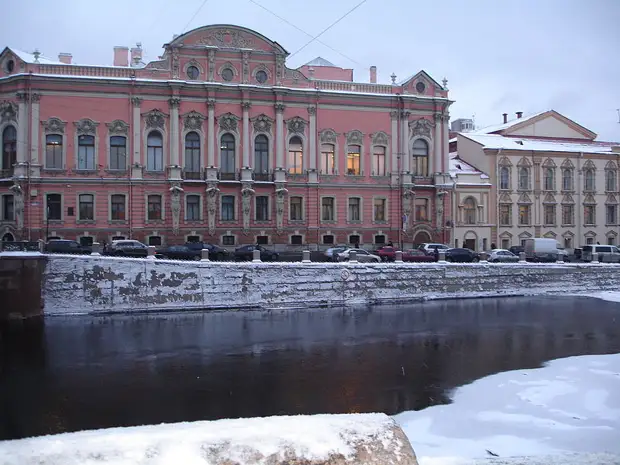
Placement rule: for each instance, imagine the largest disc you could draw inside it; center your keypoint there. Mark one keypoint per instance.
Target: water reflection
(81, 373)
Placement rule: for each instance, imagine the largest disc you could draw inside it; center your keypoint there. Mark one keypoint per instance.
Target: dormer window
(228, 74)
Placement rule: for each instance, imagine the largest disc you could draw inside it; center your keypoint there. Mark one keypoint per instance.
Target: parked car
(215, 252)
(416, 255)
(246, 253)
(387, 253)
(461, 255)
(429, 247)
(362, 256)
(503, 256)
(179, 252)
(516, 249)
(332, 252)
(67, 246)
(127, 248)
(606, 253)
(540, 249)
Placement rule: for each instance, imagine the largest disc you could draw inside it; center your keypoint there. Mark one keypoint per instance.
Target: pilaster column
(438, 143)
(406, 156)
(136, 171)
(174, 130)
(312, 138)
(446, 143)
(34, 130)
(245, 138)
(211, 133)
(394, 154)
(22, 131)
(279, 107)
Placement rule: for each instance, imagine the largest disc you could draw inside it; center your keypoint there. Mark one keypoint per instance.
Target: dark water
(74, 373)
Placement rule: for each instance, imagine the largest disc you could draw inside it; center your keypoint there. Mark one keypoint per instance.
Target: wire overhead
(195, 14)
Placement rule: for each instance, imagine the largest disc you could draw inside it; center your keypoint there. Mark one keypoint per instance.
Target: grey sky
(499, 56)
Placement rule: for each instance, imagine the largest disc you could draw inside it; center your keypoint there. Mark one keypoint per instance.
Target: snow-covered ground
(570, 405)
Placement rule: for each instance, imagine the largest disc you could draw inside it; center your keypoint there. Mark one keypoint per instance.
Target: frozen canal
(81, 372)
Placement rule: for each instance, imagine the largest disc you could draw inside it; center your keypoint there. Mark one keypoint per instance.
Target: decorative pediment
(118, 127)
(568, 199)
(524, 162)
(589, 200)
(155, 119)
(611, 165)
(590, 234)
(611, 233)
(296, 125)
(86, 126)
(588, 165)
(192, 121)
(549, 198)
(568, 234)
(355, 137)
(328, 136)
(549, 163)
(524, 198)
(421, 127)
(8, 111)
(504, 161)
(567, 164)
(262, 123)
(505, 235)
(611, 198)
(550, 235)
(525, 235)
(228, 122)
(54, 125)
(380, 138)
(226, 38)
(505, 198)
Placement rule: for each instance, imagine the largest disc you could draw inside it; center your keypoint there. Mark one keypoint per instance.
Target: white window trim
(429, 205)
(235, 212)
(362, 147)
(335, 220)
(304, 153)
(200, 208)
(501, 168)
(510, 215)
(202, 160)
(290, 239)
(361, 207)
(387, 209)
(62, 206)
(3, 126)
(146, 207)
(270, 157)
(303, 208)
(238, 154)
(268, 209)
(77, 151)
(145, 147)
(555, 214)
(385, 160)
(77, 207)
(431, 151)
(553, 178)
(63, 151)
(124, 194)
(109, 148)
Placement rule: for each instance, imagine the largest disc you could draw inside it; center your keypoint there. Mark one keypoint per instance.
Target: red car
(415, 255)
(387, 253)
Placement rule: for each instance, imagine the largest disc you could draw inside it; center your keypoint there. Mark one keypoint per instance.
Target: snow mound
(610, 296)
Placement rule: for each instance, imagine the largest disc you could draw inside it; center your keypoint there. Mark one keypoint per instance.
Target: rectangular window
(549, 214)
(568, 214)
(505, 243)
(228, 208)
(53, 151)
(611, 241)
(117, 205)
(328, 239)
(86, 241)
(192, 208)
(86, 208)
(228, 240)
(505, 214)
(524, 215)
(154, 207)
(379, 239)
(568, 243)
(328, 159)
(612, 211)
(262, 240)
(589, 214)
(327, 209)
(54, 207)
(378, 161)
(262, 208)
(8, 209)
(155, 240)
(118, 153)
(295, 156)
(354, 209)
(549, 179)
(421, 210)
(567, 180)
(296, 209)
(297, 239)
(379, 210)
(353, 160)
(86, 152)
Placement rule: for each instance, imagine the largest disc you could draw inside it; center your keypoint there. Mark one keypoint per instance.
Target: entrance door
(469, 244)
(8, 237)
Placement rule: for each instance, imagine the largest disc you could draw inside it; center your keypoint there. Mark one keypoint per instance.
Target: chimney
(121, 56)
(519, 114)
(373, 74)
(136, 54)
(65, 58)
(505, 115)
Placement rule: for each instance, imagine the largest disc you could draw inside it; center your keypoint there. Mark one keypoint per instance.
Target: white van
(541, 250)
(606, 253)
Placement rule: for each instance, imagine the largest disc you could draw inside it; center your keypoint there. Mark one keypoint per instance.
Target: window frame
(508, 214)
(376, 166)
(614, 208)
(568, 175)
(415, 159)
(568, 210)
(189, 195)
(152, 149)
(63, 148)
(589, 212)
(111, 209)
(3, 206)
(301, 208)
(61, 204)
(234, 208)
(589, 177)
(192, 152)
(229, 152)
(385, 210)
(334, 215)
(324, 155)
(611, 175)
(267, 210)
(353, 154)
(470, 212)
(79, 207)
(427, 209)
(10, 154)
(504, 185)
(293, 155)
(529, 214)
(549, 179)
(547, 208)
(147, 203)
(90, 155)
(262, 156)
(360, 209)
(524, 173)
(111, 147)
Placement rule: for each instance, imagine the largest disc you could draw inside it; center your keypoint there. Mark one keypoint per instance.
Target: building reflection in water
(78, 373)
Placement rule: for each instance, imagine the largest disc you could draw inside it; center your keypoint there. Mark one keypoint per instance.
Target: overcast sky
(498, 56)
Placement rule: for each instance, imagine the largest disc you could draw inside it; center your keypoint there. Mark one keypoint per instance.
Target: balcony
(265, 176)
(193, 175)
(226, 176)
(6, 173)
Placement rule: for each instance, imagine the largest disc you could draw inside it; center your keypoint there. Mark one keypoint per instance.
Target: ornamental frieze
(8, 111)
(262, 123)
(421, 127)
(226, 38)
(192, 121)
(155, 119)
(86, 126)
(228, 122)
(118, 127)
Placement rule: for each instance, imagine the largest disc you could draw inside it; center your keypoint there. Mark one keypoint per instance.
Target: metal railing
(19, 246)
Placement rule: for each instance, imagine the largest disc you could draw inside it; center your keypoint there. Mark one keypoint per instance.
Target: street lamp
(47, 227)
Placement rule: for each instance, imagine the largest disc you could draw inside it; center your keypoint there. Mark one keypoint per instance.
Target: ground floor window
(86, 241)
(589, 240)
(193, 239)
(262, 240)
(379, 239)
(154, 240)
(328, 239)
(522, 242)
(228, 240)
(354, 239)
(505, 243)
(568, 242)
(296, 239)
(611, 240)
(118, 238)
(8, 237)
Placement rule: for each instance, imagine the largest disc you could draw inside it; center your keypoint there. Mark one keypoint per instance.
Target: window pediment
(421, 127)
(155, 119)
(54, 125)
(228, 122)
(549, 198)
(588, 165)
(328, 136)
(262, 123)
(568, 199)
(589, 200)
(525, 235)
(505, 161)
(567, 164)
(524, 162)
(296, 125)
(550, 235)
(505, 198)
(611, 165)
(524, 198)
(192, 121)
(118, 127)
(549, 163)
(379, 138)
(355, 137)
(611, 199)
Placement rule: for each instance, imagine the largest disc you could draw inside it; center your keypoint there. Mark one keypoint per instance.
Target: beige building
(549, 178)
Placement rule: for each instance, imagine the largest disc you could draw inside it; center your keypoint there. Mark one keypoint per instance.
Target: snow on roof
(458, 166)
(30, 58)
(499, 127)
(496, 141)
(319, 61)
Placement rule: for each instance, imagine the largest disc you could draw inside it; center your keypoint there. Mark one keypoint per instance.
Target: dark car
(517, 249)
(416, 255)
(215, 252)
(179, 252)
(461, 255)
(247, 253)
(127, 248)
(66, 246)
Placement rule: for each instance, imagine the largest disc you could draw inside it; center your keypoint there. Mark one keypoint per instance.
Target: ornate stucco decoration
(155, 119)
(246, 200)
(355, 137)
(421, 127)
(262, 123)
(262, 67)
(281, 192)
(18, 204)
(280, 58)
(380, 138)
(228, 122)
(328, 136)
(175, 63)
(162, 64)
(174, 102)
(408, 196)
(211, 59)
(192, 121)
(118, 127)
(54, 125)
(226, 38)
(568, 199)
(8, 111)
(212, 197)
(246, 66)
(296, 125)
(86, 126)
(175, 205)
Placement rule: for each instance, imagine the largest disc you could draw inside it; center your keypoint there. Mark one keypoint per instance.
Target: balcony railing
(228, 176)
(6, 173)
(192, 175)
(263, 176)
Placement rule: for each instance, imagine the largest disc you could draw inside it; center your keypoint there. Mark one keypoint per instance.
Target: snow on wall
(361, 439)
(107, 284)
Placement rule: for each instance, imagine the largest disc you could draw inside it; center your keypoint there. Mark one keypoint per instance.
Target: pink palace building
(220, 141)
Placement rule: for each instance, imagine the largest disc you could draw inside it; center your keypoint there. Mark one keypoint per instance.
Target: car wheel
(475, 260)
(219, 257)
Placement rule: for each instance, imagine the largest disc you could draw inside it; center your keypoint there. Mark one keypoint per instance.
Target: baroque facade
(220, 141)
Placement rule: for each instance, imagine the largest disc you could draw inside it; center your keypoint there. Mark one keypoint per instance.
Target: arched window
(567, 179)
(469, 211)
(504, 178)
(154, 152)
(86, 152)
(192, 155)
(227, 157)
(524, 178)
(261, 155)
(353, 160)
(9, 147)
(53, 151)
(549, 179)
(420, 158)
(610, 180)
(295, 156)
(589, 180)
(328, 159)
